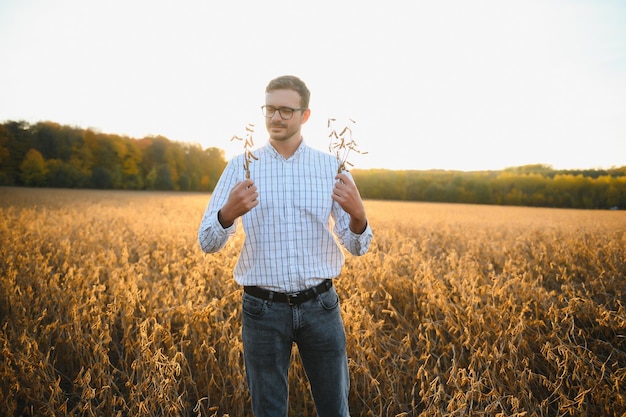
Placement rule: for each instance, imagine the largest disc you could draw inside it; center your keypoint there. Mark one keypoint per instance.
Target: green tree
(184, 182)
(131, 171)
(5, 152)
(33, 168)
(163, 178)
(214, 164)
(19, 139)
(64, 175)
(102, 178)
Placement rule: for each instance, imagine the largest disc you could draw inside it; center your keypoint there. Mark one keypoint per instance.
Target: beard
(283, 133)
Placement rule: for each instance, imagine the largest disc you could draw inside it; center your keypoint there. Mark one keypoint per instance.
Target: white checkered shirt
(288, 246)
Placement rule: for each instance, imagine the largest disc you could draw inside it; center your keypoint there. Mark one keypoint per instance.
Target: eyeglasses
(286, 113)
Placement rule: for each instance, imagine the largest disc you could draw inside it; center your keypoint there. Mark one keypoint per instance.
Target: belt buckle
(291, 298)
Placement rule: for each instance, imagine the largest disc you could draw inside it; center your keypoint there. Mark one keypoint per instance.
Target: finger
(245, 184)
(343, 178)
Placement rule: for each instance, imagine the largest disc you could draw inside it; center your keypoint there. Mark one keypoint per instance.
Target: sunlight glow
(444, 85)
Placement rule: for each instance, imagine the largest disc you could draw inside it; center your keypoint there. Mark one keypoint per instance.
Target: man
(289, 256)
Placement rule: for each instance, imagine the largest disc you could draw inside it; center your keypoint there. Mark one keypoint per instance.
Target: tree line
(47, 154)
(531, 185)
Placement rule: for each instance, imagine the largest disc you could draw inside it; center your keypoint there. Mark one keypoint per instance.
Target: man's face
(280, 129)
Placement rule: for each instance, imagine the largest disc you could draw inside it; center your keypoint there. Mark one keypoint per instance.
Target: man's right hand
(242, 198)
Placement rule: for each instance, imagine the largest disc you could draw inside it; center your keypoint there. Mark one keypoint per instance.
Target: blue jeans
(269, 331)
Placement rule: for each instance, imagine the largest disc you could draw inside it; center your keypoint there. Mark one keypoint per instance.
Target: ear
(305, 115)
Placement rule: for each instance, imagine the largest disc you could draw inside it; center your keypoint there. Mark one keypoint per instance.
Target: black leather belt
(291, 299)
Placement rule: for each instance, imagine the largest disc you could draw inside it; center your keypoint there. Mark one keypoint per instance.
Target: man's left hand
(347, 195)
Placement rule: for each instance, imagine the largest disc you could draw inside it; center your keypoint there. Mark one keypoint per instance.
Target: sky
(447, 84)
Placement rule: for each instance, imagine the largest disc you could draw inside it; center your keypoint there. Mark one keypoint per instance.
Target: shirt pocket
(313, 198)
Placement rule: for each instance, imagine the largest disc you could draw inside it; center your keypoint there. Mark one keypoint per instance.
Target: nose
(276, 115)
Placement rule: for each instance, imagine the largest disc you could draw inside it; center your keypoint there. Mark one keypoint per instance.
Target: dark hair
(291, 82)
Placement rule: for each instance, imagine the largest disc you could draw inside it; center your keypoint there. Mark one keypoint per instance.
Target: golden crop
(109, 308)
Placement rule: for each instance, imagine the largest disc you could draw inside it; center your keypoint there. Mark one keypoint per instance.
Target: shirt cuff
(218, 226)
(362, 240)
(364, 233)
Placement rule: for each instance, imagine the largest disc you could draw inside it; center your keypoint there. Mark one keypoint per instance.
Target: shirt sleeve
(356, 244)
(211, 235)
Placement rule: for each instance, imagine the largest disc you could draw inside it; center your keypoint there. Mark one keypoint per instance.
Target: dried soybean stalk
(341, 144)
(248, 143)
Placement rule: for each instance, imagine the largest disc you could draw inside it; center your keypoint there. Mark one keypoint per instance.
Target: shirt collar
(301, 148)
